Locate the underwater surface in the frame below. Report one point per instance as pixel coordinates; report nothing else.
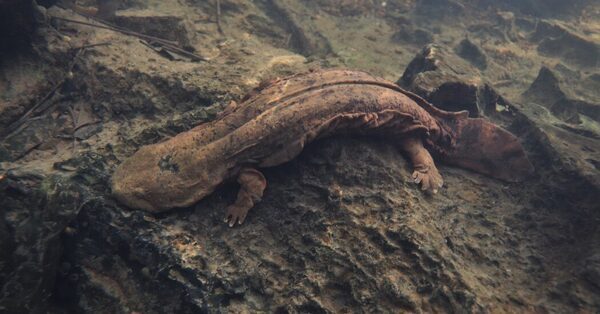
(341, 227)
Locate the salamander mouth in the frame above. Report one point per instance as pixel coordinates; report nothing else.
(132, 201)
(128, 196)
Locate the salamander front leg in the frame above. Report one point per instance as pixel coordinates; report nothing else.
(425, 171)
(252, 185)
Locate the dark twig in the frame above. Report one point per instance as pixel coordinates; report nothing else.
(176, 50)
(184, 52)
(115, 28)
(219, 17)
(36, 106)
(288, 38)
(19, 128)
(15, 125)
(167, 44)
(86, 124)
(74, 121)
(29, 150)
(92, 45)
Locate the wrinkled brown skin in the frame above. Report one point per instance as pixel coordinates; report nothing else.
(273, 124)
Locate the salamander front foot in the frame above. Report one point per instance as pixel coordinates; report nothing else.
(252, 185)
(236, 214)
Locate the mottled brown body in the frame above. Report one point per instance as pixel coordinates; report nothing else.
(273, 124)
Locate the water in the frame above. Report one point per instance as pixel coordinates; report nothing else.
(341, 227)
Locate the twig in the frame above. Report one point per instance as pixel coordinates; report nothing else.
(287, 40)
(92, 45)
(219, 17)
(114, 28)
(86, 124)
(19, 128)
(13, 126)
(167, 44)
(74, 120)
(29, 150)
(176, 50)
(191, 55)
(22, 119)
(64, 136)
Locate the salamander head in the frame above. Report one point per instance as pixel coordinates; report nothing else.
(488, 149)
(158, 178)
(133, 182)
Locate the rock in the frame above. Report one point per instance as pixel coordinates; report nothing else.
(567, 72)
(440, 8)
(169, 27)
(556, 41)
(415, 36)
(467, 50)
(30, 136)
(546, 90)
(543, 8)
(29, 73)
(33, 213)
(451, 83)
(107, 9)
(300, 35)
(119, 259)
(591, 270)
(568, 110)
(345, 8)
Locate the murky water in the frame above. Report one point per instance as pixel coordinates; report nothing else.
(341, 226)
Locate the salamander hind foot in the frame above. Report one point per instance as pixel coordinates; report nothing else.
(425, 171)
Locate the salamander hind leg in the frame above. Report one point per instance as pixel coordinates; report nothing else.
(425, 171)
(252, 185)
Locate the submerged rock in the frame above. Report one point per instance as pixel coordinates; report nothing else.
(301, 36)
(339, 228)
(440, 8)
(315, 237)
(451, 83)
(547, 91)
(34, 211)
(409, 34)
(467, 50)
(557, 41)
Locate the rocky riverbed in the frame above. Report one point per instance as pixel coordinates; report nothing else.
(341, 228)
